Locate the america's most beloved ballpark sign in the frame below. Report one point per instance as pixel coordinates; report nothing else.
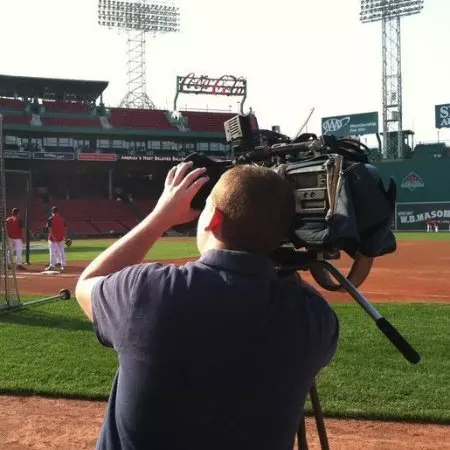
(351, 124)
(228, 85)
(414, 216)
(442, 114)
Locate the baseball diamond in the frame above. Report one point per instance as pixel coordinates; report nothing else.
(80, 168)
(104, 181)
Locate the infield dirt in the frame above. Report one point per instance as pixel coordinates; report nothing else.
(51, 424)
(417, 272)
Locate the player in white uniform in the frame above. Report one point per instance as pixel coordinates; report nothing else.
(16, 236)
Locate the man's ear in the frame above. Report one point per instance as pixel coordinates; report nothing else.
(215, 221)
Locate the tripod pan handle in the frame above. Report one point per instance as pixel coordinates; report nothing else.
(398, 340)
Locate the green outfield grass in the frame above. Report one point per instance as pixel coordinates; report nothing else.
(441, 236)
(87, 250)
(52, 350)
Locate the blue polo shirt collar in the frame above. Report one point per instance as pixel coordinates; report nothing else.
(241, 262)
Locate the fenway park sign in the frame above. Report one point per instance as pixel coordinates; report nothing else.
(228, 85)
(160, 158)
(151, 158)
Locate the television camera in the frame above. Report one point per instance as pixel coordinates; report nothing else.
(341, 205)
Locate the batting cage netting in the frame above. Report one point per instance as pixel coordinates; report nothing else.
(15, 189)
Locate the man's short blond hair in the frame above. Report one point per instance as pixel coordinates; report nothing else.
(258, 207)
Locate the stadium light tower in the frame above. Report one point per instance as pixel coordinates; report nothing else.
(138, 18)
(389, 12)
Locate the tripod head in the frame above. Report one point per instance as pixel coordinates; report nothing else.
(289, 260)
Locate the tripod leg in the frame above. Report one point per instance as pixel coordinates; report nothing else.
(301, 435)
(318, 415)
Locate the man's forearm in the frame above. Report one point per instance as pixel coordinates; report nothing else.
(128, 250)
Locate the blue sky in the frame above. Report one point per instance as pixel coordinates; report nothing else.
(296, 55)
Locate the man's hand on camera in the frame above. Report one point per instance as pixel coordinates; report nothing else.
(174, 205)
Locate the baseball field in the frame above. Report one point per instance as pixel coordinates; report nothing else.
(55, 377)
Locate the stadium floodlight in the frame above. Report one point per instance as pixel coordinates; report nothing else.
(376, 10)
(138, 18)
(389, 12)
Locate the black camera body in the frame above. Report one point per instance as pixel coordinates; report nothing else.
(341, 202)
(310, 190)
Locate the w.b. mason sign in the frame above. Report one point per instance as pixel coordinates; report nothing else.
(414, 216)
(442, 113)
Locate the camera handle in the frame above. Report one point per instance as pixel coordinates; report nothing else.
(391, 333)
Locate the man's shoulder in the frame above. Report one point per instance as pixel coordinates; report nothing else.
(311, 299)
(167, 268)
(166, 276)
(323, 324)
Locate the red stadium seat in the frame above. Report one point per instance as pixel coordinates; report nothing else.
(36, 213)
(16, 120)
(139, 118)
(11, 103)
(205, 121)
(81, 227)
(94, 216)
(70, 122)
(145, 206)
(66, 107)
(85, 216)
(106, 226)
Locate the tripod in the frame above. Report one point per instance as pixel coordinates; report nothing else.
(305, 262)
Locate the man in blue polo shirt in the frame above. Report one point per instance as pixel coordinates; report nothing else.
(219, 353)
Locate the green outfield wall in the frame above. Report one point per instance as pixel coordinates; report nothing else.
(418, 180)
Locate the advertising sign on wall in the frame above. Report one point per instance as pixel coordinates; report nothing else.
(442, 114)
(16, 154)
(412, 181)
(414, 216)
(47, 156)
(228, 85)
(151, 158)
(351, 124)
(97, 157)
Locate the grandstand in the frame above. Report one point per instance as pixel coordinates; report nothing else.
(104, 167)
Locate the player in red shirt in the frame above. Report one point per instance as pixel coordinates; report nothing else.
(16, 235)
(57, 229)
